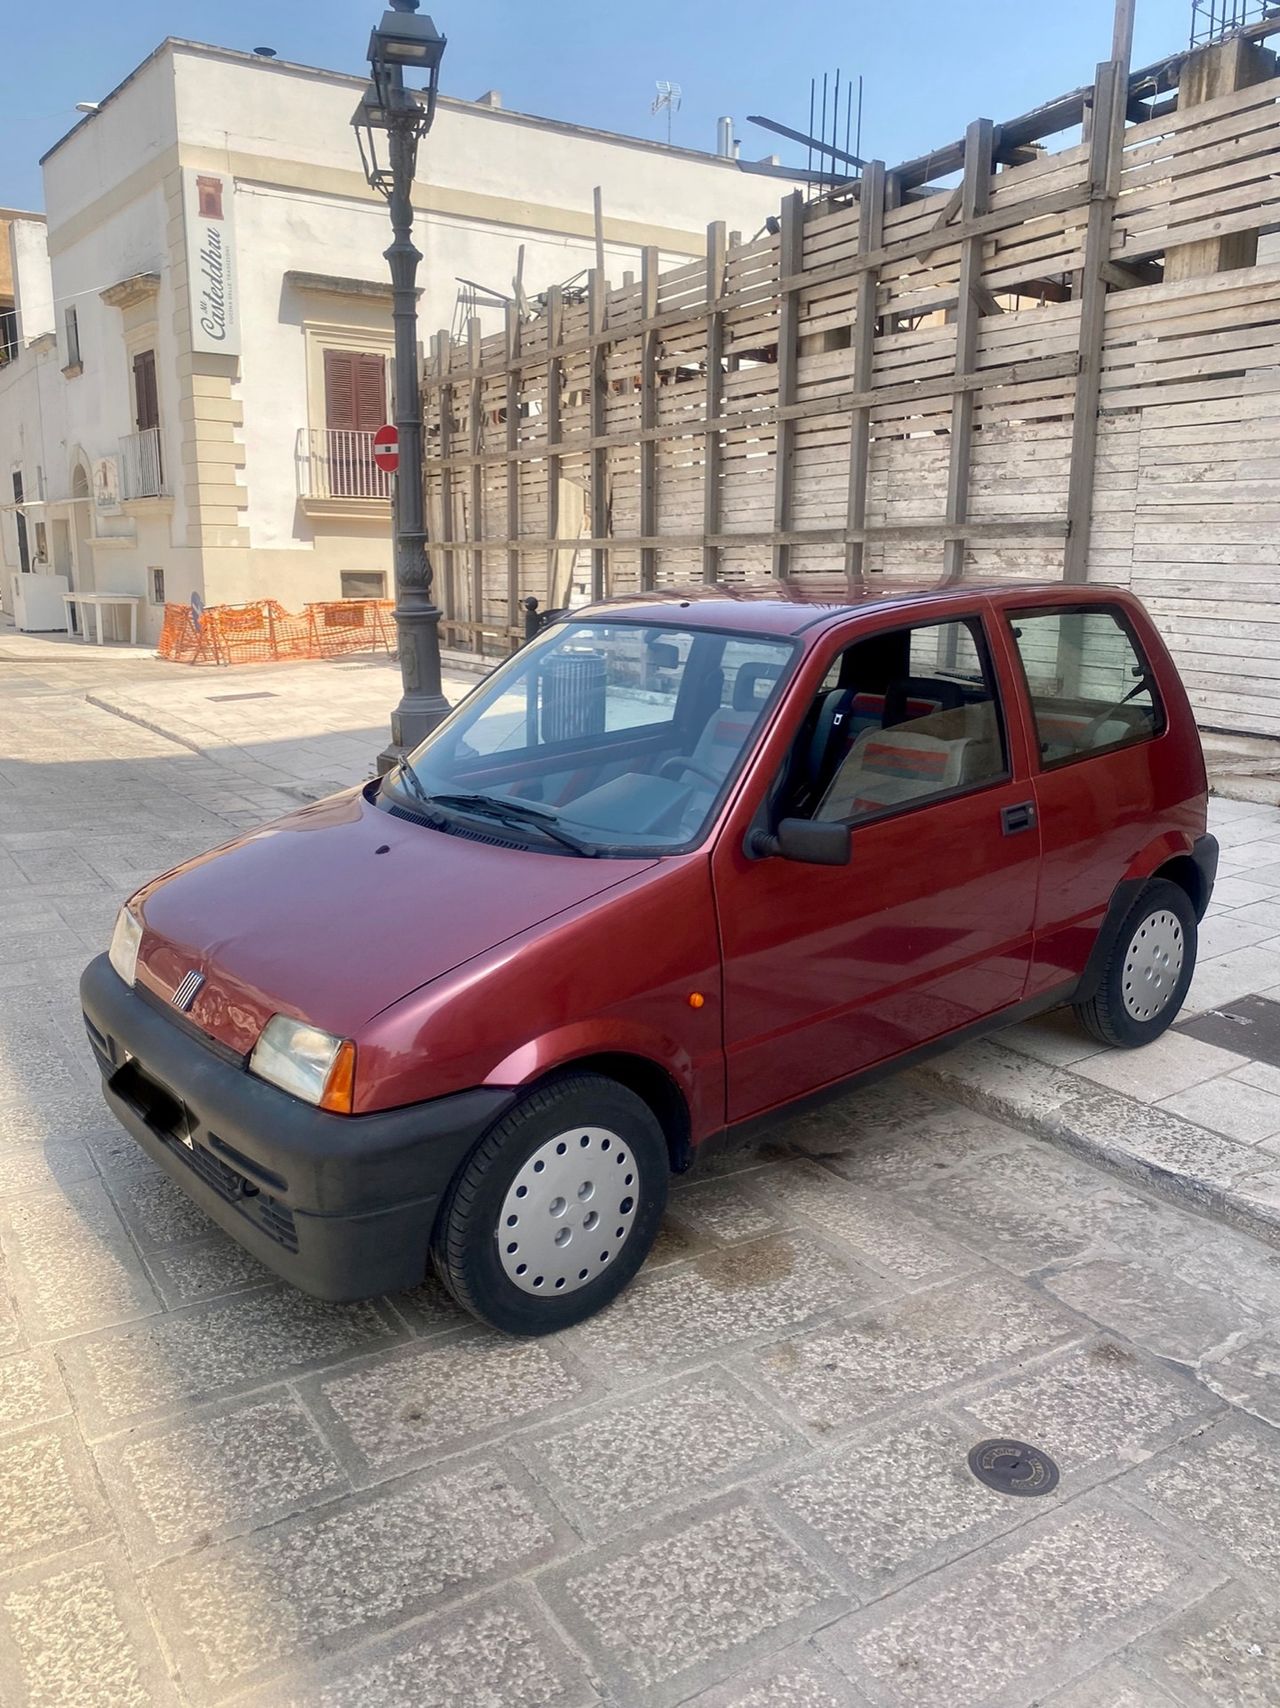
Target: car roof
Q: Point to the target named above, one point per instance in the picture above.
(789, 608)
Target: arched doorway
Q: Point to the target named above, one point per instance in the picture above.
(81, 567)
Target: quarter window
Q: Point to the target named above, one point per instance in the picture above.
(911, 715)
(1091, 689)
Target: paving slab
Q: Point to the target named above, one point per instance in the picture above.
(627, 1461)
(239, 1613)
(180, 1486)
(833, 1378)
(1026, 1613)
(1220, 1653)
(415, 1404)
(78, 1635)
(666, 1610)
(497, 1652)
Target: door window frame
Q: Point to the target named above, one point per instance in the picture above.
(979, 618)
(1124, 621)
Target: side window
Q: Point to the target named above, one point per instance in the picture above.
(1091, 689)
(913, 714)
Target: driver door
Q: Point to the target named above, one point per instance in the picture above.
(829, 971)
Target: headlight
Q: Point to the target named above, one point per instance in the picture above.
(125, 942)
(312, 1064)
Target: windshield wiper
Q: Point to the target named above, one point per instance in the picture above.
(514, 813)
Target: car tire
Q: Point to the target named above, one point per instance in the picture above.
(556, 1208)
(1148, 969)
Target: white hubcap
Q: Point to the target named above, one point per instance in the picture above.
(569, 1211)
(1152, 966)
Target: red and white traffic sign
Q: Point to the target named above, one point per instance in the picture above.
(386, 449)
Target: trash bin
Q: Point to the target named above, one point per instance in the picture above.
(573, 695)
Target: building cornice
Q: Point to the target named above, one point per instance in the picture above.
(140, 287)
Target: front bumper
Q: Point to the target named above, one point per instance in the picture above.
(342, 1206)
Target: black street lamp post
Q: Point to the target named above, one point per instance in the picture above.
(403, 41)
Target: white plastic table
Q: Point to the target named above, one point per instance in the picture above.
(96, 601)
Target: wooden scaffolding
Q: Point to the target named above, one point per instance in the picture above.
(1067, 365)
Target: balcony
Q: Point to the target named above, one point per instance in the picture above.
(337, 473)
(141, 467)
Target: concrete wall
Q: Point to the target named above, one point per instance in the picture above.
(29, 271)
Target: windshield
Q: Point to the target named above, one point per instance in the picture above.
(600, 737)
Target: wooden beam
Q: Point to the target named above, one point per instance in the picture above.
(441, 347)
(716, 255)
(1105, 147)
(551, 412)
(790, 262)
(1045, 528)
(476, 425)
(512, 330)
(597, 291)
(833, 404)
(974, 194)
(870, 237)
(649, 416)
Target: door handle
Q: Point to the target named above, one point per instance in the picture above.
(1021, 817)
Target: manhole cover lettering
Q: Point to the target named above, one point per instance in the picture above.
(1013, 1467)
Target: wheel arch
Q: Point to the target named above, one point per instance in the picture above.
(650, 1082)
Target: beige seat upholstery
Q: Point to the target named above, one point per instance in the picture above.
(886, 767)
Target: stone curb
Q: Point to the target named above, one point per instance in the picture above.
(104, 703)
(1200, 1170)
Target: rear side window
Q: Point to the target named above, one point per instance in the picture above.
(1091, 689)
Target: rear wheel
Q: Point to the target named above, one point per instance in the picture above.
(557, 1207)
(1148, 969)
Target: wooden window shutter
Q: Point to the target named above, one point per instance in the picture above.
(146, 396)
(339, 389)
(371, 392)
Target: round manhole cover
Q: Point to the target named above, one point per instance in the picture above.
(1013, 1468)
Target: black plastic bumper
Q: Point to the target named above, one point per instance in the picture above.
(1205, 855)
(342, 1206)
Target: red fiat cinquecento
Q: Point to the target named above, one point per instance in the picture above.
(681, 863)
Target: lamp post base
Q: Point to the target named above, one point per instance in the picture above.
(422, 705)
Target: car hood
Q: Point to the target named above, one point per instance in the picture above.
(340, 909)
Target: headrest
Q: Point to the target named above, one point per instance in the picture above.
(945, 694)
(753, 684)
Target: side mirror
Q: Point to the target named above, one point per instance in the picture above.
(813, 842)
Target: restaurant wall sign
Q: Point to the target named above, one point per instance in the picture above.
(212, 263)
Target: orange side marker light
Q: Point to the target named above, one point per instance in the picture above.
(340, 1087)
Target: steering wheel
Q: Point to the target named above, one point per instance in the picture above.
(669, 767)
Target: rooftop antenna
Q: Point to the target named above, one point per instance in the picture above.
(668, 97)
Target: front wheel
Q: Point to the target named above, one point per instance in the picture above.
(557, 1207)
(1148, 969)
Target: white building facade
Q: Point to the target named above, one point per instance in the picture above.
(197, 371)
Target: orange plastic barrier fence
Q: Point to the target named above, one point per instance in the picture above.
(264, 632)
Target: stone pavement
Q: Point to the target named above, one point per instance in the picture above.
(744, 1486)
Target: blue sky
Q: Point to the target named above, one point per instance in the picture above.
(929, 66)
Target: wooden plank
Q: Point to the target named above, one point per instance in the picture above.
(978, 143)
(511, 335)
(648, 415)
(870, 237)
(790, 264)
(714, 399)
(1104, 166)
(598, 290)
(476, 426)
(551, 451)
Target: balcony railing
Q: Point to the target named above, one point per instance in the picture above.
(337, 462)
(141, 467)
